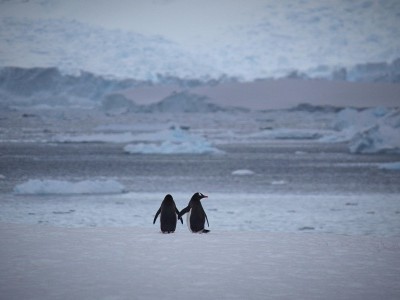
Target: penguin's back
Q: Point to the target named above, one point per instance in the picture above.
(168, 217)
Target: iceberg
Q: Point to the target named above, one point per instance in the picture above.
(50, 186)
(355, 118)
(372, 130)
(377, 139)
(381, 137)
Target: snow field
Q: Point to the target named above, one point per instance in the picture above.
(338, 214)
(40, 262)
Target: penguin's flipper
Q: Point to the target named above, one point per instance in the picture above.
(183, 211)
(208, 224)
(155, 217)
(177, 212)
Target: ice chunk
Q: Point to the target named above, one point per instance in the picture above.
(278, 182)
(42, 187)
(242, 172)
(395, 166)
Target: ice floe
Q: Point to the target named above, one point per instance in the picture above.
(243, 172)
(395, 166)
(174, 141)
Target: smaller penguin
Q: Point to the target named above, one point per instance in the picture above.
(169, 214)
(196, 216)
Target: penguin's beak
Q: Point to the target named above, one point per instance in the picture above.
(204, 196)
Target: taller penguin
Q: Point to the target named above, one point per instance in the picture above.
(196, 216)
(168, 216)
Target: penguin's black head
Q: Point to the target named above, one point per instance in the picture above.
(168, 197)
(198, 196)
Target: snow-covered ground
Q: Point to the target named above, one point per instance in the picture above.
(135, 263)
(362, 214)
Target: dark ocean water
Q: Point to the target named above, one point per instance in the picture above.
(278, 166)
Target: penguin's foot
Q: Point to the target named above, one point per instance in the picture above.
(205, 231)
(168, 232)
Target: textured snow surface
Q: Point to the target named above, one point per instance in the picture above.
(40, 262)
(357, 214)
(51, 186)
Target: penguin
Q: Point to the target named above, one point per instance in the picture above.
(168, 216)
(196, 216)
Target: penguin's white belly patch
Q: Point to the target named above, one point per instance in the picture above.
(188, 220)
